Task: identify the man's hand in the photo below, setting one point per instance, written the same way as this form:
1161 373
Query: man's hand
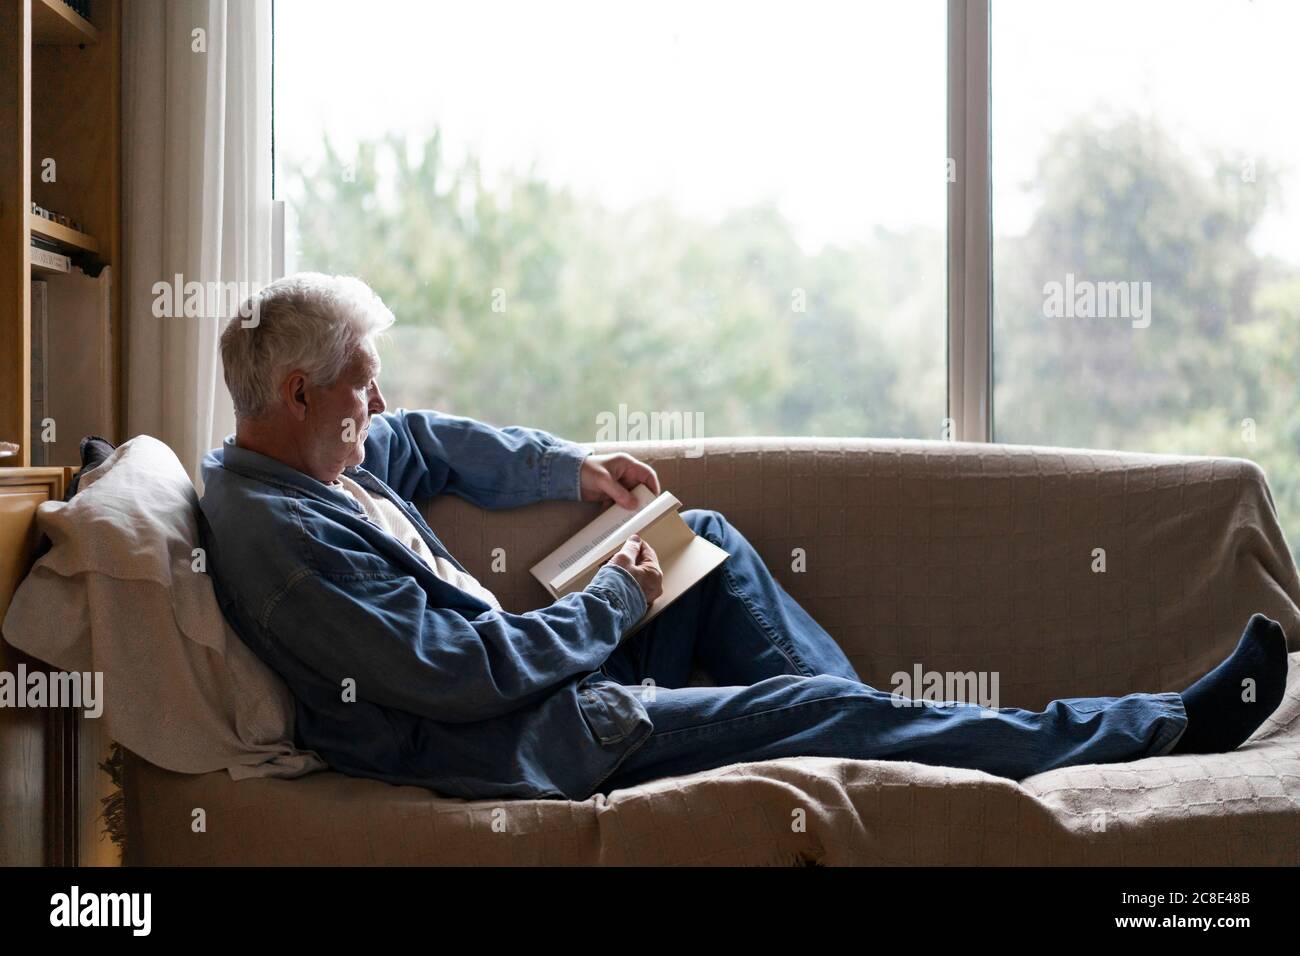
639 559
609 478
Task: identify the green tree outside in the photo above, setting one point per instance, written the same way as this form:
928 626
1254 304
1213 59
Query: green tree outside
519 302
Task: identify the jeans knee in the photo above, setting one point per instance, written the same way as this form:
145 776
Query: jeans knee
707 523
833 685
813 689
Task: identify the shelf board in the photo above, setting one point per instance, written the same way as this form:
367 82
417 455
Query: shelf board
54 23
62 234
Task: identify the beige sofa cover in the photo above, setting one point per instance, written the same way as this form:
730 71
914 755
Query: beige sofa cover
957 557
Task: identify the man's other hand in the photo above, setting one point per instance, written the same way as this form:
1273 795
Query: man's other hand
609 478
639 559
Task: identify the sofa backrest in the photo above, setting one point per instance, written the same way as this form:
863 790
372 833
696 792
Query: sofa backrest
957 557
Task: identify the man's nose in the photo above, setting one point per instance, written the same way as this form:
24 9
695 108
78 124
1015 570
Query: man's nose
377 403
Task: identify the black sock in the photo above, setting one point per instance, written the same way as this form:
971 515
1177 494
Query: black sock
1218 719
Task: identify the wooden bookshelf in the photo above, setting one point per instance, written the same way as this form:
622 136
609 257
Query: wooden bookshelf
60 107
60 99
54 23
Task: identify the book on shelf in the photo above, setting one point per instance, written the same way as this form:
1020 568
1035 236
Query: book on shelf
78 349
684 557
40 371
42 258
40 242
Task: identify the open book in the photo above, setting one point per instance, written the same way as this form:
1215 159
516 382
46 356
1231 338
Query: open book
684 557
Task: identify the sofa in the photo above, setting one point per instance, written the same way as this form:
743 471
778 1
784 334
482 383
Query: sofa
1067 572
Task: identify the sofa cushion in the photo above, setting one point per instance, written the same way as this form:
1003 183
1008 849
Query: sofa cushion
1206 810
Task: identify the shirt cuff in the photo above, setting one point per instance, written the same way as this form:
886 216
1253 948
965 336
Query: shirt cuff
561 468
623 590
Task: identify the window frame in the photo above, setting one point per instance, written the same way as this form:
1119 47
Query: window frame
970 224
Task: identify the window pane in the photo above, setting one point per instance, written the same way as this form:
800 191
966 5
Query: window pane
584 212
1146 215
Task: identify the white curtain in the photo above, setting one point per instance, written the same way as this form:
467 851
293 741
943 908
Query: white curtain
196 102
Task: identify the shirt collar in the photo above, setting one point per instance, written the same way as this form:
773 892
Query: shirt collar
252 464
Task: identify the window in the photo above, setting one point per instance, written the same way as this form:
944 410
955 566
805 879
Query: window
1146 216
726 218
733 215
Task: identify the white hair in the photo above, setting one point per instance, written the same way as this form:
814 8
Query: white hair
307 320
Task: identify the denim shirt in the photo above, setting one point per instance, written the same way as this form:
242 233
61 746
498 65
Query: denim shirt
397 674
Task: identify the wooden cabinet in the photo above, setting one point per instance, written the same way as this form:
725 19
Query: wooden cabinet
35 821
51 785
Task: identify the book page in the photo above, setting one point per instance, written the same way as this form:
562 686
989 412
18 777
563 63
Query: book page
684 558
606 532
667 536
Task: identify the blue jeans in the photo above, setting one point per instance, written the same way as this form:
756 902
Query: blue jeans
787 690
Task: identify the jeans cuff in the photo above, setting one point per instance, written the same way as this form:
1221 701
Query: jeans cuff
1167 739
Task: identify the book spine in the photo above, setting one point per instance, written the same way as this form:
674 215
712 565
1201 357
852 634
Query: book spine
53 261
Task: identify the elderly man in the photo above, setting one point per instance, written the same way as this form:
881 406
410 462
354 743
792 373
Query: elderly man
407 669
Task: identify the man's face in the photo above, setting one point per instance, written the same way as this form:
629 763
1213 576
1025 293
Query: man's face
339 417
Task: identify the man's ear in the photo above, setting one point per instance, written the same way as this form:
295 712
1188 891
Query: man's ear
294 392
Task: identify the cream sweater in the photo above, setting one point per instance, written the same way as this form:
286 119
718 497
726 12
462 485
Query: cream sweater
392 519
